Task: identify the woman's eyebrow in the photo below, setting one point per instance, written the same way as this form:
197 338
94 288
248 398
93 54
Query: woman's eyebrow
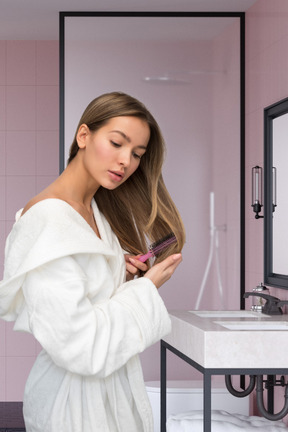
128 139
123 135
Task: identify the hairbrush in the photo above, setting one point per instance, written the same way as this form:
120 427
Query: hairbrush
158 246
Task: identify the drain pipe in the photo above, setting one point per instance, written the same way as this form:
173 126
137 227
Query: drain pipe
260 403
237 393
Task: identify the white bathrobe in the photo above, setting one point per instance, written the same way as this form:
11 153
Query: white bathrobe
67 287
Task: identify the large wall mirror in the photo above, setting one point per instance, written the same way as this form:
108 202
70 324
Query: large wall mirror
188 69
275 194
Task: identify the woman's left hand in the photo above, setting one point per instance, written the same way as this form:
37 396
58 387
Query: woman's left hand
134 267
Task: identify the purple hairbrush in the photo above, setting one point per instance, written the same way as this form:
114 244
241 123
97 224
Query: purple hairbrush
159 246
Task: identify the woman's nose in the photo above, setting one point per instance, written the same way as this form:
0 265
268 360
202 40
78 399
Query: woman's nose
125 158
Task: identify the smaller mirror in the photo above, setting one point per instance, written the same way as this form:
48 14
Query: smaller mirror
275 194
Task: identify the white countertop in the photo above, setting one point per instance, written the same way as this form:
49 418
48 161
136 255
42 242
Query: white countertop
201 336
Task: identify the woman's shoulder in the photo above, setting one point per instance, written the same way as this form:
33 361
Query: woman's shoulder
46 194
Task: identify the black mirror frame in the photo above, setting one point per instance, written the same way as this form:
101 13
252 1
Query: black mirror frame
241 16
270 113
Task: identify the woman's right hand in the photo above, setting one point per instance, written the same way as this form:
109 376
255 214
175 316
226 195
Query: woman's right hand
162 272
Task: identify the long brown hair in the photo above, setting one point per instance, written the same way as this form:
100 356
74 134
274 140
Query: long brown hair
140 211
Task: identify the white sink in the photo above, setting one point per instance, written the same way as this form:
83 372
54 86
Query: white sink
253 325
227 314
214 341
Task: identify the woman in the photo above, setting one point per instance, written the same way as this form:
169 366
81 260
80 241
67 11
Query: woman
67 282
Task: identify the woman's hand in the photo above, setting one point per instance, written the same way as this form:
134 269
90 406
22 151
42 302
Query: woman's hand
161 273
134 267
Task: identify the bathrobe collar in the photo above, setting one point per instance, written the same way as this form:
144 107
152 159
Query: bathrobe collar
49 230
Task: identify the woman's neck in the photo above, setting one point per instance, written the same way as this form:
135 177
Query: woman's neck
75 186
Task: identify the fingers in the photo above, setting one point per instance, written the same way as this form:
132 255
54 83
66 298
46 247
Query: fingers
138 264
172 260
170 264
162 272
134 267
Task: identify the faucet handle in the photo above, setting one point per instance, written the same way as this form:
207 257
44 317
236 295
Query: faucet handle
272 305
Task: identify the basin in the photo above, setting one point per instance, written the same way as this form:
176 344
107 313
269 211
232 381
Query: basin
226 314
253 325
212 344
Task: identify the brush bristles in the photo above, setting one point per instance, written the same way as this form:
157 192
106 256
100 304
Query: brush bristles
158 246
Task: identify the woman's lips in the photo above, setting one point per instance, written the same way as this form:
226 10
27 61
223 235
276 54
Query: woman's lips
116 175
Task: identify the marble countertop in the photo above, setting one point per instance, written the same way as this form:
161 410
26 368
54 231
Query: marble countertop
203 337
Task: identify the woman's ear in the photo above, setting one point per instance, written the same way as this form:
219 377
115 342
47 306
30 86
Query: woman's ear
82 135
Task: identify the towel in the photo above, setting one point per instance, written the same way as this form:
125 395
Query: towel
222 421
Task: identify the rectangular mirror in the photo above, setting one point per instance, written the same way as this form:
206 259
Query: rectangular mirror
188 69
275 194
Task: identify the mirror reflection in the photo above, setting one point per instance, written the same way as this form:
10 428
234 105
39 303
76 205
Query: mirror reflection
280 157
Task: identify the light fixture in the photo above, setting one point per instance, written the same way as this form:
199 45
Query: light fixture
257 191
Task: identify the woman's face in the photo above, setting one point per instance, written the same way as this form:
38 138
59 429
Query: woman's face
112 153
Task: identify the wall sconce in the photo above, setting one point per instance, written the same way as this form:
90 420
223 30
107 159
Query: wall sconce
257 191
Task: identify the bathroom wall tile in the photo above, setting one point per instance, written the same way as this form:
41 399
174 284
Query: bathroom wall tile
2 195
43 181
47 162
19 343
8 226
2 62
2 153
21 108
17 371
2 108
278 69
255 86
21 62
19 190
2 379
2 244
2 338
21 153
254 250
254 139
38 348
47 63
47 108
282 18
262 26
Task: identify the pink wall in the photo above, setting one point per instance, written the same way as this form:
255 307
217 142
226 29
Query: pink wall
266 83
29 143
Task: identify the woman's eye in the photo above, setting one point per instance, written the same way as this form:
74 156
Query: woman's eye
115 144
136 156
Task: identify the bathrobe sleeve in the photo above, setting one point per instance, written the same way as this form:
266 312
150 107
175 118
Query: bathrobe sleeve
86 338
66 286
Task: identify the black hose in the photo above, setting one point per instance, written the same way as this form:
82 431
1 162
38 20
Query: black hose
260 403
242 393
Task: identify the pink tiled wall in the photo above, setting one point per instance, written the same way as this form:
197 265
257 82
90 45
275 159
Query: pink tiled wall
29 148
266 83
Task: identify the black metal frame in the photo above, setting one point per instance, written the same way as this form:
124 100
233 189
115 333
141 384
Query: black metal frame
270 113
241 16
207 374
